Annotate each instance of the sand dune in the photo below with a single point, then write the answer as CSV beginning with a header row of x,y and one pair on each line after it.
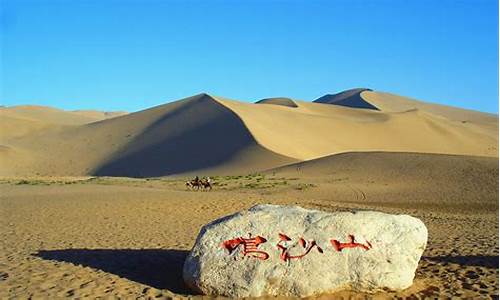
x,y
193,134
196,133
350,98
389,164
56,116
470,181
99,115
393,103
212,135
278,101
20,120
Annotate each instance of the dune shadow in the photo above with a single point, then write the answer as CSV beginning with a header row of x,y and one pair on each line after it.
x,y
157,268
488,261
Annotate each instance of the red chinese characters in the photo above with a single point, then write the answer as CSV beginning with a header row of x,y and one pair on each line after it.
x,y
351,244
284,251
250,246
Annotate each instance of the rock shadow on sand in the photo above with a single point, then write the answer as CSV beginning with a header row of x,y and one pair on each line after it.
x,y
157,268
488,261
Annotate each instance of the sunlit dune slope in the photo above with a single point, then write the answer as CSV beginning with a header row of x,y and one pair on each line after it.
x,y
440,179
56,116
486,123
99,115
313,130
398,165
20,120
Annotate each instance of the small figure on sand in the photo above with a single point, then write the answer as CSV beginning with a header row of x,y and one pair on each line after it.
x,y
197,183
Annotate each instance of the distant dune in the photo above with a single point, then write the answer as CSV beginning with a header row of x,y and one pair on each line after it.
x,y
350,98
314,130
56,116
20,120
99,115
205,134
391,103
278,101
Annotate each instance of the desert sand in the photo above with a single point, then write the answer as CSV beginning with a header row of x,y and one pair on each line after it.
x,y
70,230
88,237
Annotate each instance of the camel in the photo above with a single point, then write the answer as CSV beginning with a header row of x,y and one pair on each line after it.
x,y
206,184
193,184
197,183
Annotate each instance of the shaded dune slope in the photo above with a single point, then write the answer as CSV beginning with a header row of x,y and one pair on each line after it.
x,y
350,98
278,101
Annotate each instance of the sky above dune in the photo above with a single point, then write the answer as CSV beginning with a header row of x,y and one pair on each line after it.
x,y
131,55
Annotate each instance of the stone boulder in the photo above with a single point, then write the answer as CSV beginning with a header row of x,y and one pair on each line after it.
x,y
273,250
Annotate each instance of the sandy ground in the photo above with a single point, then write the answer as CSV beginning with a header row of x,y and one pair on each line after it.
x,y
122,237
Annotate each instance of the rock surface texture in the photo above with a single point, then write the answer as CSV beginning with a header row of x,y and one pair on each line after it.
x,y
291,251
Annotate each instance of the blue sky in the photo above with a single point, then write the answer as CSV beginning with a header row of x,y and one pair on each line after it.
x,y
131,55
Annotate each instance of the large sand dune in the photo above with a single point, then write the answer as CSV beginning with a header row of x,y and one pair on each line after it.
x,y
212,135
196,133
